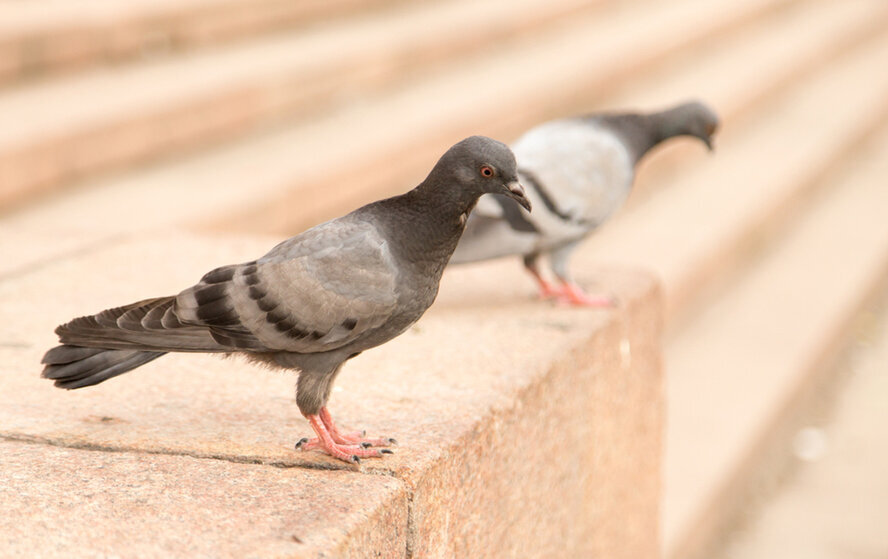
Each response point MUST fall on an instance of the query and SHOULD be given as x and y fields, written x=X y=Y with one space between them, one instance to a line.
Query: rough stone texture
x=524 y=428
x=63 y=502
x=607 y=388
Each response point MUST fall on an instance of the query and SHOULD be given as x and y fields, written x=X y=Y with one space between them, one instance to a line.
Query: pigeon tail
x=75 y=367
x=148 y=325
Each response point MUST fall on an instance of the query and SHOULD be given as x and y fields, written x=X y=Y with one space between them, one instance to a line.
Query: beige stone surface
x=836 y=504
x=64 y=502
x=757 y=351
x=562 y=420
x=503 y=406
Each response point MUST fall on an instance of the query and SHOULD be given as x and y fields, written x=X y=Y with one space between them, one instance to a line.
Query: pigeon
x=313 y=301
x=577 y=171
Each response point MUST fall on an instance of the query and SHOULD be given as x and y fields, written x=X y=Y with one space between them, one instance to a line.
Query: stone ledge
x=64 y=502
x=540 y=436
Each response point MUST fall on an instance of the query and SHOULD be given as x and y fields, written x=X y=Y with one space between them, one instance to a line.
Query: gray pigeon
x=313 y=302
x=578 y=172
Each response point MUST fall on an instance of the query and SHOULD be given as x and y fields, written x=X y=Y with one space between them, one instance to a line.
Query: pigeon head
x=479 y=165
x=691 y=119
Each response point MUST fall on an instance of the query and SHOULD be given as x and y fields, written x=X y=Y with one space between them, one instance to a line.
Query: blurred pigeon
x=313 y=302
x=578 y=172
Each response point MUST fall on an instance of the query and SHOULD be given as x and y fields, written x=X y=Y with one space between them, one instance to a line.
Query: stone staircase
x=124 y=126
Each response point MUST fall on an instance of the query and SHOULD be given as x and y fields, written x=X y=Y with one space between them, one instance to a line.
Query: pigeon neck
x=435 y=217
x=641 y=132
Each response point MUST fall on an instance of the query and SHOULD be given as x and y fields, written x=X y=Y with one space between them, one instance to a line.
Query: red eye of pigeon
x=486 y=171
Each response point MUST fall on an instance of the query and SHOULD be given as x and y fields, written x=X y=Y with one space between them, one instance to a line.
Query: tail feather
x=149 y=325
x=97 y=347
x=75 y=367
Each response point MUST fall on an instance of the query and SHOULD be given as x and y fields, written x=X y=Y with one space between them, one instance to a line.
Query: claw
x=386 y=451
x=348 y=447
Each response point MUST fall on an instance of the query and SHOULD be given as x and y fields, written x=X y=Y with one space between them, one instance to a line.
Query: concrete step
x=64 y=129
x=742 y=371
x=41 y=39
x=483 y=429
x=68 y=502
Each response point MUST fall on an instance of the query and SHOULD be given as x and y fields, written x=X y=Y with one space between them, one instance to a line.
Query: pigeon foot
x=572 y=294
x=348 y=447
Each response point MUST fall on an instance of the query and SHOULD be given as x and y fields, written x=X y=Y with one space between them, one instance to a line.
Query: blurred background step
x=834 y=501
x=68 y=128
x=703 y=230
x=742 y=373
x=696 y=230
x=737 y=72
x=338 y=161
x=583 y=56
x=38 y=39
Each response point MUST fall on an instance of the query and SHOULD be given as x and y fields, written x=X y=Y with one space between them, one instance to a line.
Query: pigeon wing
x=315 y=292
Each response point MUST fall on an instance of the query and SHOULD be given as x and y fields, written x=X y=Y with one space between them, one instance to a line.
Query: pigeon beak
x=515 y=191
x=707 y=136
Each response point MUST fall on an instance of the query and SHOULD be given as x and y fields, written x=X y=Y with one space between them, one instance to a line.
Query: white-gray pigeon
x=577 y=172
x=311 y=303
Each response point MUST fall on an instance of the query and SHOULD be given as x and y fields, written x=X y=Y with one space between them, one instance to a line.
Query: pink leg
x=346 y=452
x=355 y=437
x=547 y=290
x=573 y=294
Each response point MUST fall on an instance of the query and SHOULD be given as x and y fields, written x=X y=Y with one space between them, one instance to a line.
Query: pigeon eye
x=486 y=171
